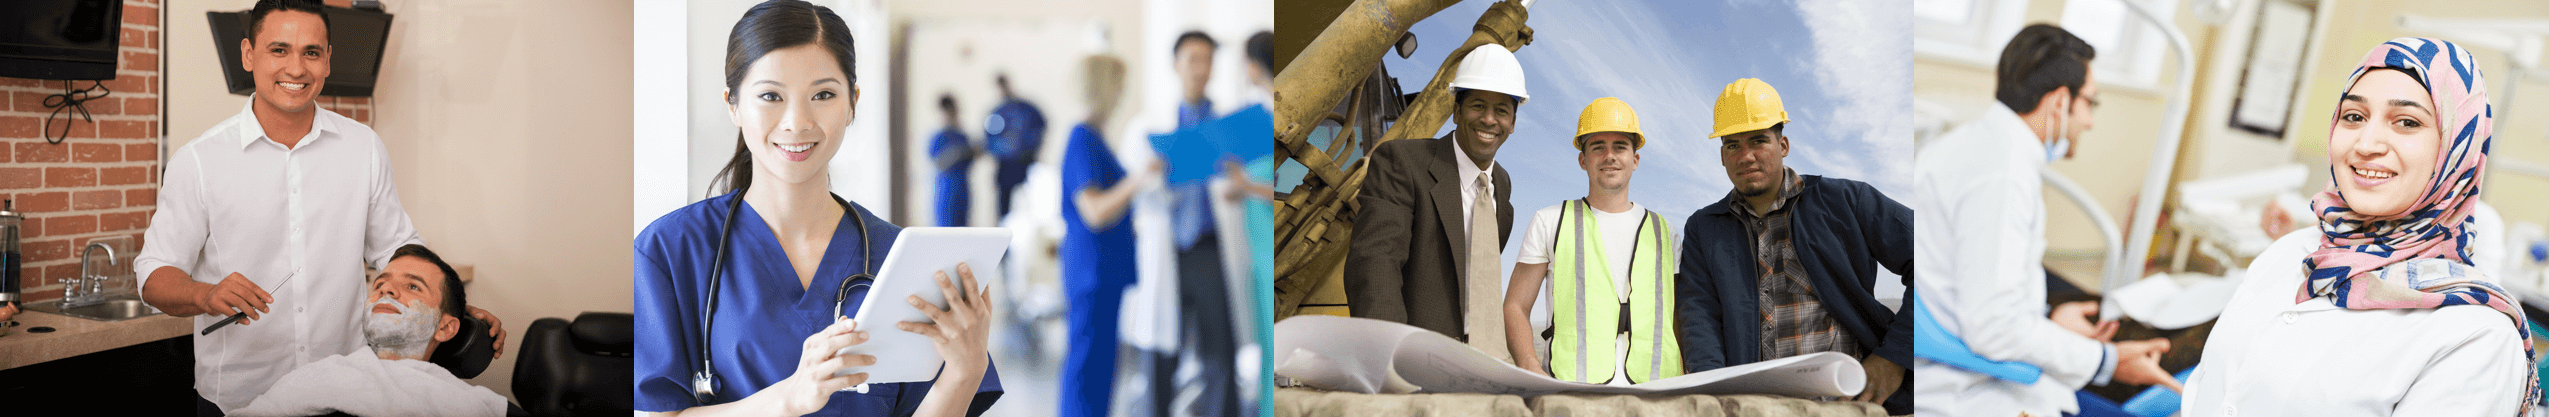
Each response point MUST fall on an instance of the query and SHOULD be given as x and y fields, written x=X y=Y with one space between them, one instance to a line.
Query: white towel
x=365 y=385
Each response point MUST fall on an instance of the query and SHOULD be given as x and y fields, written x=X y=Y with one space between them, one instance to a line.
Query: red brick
x=38 y=151
x=130 y=220
x=98 y=152
x=70 y=177
x=123 y=175
x=47 y=251
x=33 y=228
x=140 y=196
x=141 y=61
x=105 y=107
x=20 y=82
x=19 y=127
x=138 y=84
x=123 y=129
x=141 y=105
x=30 y=294
x=141 y=152
x=70 y=225
x=141 y=15
x=29 y=101
x=61 y=273
x=93 y=200
x=43 y=202
x=21 y=178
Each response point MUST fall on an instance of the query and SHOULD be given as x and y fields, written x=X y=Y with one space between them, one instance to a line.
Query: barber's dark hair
x=947 y=103
x=455 y=297
x=1192 y=35
x=1261 y=50
x=771 y=26
x=257 y=16
x=2040 y=59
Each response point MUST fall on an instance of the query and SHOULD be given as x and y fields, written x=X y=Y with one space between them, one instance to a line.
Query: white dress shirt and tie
x=308 y=218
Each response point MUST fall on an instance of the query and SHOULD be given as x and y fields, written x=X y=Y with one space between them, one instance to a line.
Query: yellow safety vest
x=1586 y=314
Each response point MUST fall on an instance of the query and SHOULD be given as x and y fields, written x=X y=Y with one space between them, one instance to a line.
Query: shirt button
x=2290 y=317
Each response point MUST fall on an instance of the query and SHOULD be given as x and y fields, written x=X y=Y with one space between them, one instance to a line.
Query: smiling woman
x=2377 y=311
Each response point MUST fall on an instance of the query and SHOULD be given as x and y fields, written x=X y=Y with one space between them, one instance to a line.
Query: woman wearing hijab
x=2378 y=312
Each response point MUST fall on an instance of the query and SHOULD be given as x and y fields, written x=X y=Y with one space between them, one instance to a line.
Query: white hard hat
x=1490 y=67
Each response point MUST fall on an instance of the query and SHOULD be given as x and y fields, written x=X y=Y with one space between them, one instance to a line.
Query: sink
x=113 y=310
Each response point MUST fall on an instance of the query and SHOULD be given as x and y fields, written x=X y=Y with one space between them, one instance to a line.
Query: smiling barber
x=740 y=297
x=274 y=213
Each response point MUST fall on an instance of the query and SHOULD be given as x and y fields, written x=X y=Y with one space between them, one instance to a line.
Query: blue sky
x=1842 y=68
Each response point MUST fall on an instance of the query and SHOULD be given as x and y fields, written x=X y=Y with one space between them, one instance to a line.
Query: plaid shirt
x=1794 y=321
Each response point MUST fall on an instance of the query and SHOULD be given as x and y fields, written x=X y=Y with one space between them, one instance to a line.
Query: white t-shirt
x=1619 y=238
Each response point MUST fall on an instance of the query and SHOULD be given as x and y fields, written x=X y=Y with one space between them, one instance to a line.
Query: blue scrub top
x=763 y=317
x=954 y=197
x=1096 y=266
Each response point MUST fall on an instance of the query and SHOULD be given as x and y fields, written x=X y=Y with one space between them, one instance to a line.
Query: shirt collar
x=2011 y=128
x=250 y=130
x=1468 y=170
x=1789 y=187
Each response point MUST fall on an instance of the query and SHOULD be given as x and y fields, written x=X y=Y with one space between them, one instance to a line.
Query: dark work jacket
x=1843 y=231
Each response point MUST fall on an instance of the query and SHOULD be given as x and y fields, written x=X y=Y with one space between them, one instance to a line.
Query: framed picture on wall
x=2273 y=71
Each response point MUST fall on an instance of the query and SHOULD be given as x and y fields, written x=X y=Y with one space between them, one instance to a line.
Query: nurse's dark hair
x=257 y=15
x=771 y=26
x=455 y=296
x=2040 y=59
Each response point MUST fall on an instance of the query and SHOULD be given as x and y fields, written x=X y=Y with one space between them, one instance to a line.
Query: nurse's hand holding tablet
x=960 y=332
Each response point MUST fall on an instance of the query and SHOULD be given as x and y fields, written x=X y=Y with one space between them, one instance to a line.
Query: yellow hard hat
x=1608 y=114
x=1748 y=105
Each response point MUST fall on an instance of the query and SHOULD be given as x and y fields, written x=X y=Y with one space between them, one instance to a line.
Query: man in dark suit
x=1435 y=213
x=1787 y=264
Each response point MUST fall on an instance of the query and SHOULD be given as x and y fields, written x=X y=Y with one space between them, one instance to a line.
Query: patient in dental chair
x=416 y=303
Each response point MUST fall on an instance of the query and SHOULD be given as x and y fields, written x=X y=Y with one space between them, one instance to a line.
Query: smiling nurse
x=732 y=288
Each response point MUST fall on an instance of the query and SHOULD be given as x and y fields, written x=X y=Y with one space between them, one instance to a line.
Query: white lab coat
x=2269 y=356
x=1979 y=269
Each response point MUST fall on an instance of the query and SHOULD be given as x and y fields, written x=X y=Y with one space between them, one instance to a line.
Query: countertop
x=77 y=336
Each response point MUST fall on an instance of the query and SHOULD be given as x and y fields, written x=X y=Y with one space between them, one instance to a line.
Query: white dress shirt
x=1468 y=172
x=1979 y=268
x=236 y=201
x=2268 y=356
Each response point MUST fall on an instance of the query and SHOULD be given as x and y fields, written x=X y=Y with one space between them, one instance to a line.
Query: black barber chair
x=584 y=368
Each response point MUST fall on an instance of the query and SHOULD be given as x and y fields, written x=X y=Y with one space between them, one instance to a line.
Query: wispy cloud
x=1863 y=57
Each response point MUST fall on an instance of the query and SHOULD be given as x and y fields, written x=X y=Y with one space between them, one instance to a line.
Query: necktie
x=1484 y=290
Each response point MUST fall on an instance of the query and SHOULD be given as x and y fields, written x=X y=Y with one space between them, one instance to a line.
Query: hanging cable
x=73 y=101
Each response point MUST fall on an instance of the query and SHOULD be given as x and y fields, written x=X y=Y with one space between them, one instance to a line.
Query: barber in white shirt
x=275 y=212
x=1978 y=265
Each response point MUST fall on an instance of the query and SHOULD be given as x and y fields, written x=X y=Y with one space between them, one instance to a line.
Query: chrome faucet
x=88 y=288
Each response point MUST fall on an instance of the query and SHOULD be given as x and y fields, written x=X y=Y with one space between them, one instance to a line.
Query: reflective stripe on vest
x=1586 y=308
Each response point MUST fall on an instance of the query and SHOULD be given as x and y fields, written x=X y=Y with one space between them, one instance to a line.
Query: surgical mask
x=2061 y=143
x=406 y=333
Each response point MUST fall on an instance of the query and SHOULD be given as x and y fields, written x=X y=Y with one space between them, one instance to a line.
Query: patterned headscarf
x=2419 y=258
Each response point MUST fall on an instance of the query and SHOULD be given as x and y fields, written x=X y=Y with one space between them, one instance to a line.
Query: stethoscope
x=703 y=384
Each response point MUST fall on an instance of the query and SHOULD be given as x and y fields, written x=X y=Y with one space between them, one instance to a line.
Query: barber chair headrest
x=466 y=355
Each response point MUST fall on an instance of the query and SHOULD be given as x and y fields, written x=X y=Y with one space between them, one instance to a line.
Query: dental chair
x=579 y=368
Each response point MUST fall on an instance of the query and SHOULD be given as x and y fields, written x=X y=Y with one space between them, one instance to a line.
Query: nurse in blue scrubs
x=790 y=88
x=1097 y=244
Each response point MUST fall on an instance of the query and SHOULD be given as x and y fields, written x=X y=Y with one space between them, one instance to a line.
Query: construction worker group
x=1785 y=264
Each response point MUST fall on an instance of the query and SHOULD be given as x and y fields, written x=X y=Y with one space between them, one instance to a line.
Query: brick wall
x=102 y=182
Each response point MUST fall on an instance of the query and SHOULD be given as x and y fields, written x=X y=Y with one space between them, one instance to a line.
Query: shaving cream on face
x=405 y=334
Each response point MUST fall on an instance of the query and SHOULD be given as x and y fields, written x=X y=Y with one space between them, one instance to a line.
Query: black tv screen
x=356 y=37
x=60 y=39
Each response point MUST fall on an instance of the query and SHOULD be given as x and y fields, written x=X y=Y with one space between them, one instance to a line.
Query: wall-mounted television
x=60 y=39
x=356 y=36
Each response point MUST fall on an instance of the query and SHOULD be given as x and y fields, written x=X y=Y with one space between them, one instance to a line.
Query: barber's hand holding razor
x=235 y=294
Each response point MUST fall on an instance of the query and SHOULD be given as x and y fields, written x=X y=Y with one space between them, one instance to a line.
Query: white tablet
x=911 y=268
